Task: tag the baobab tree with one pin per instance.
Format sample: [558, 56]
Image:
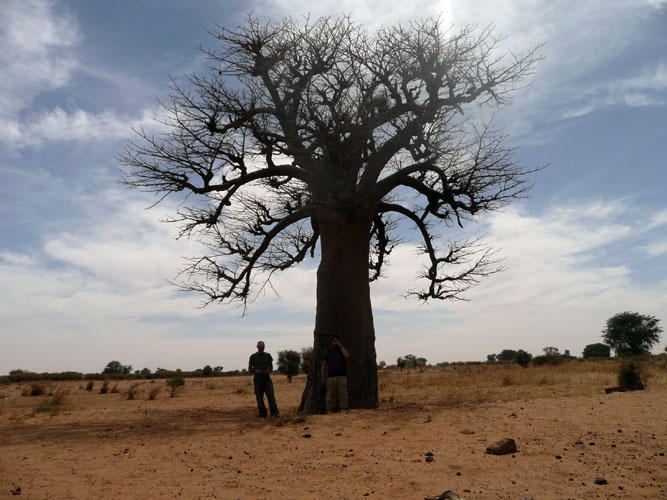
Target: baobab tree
[318, 139]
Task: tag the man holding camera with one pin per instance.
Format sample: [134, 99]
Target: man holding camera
[334, 372]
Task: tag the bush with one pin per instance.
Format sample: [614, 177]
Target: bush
[132, 391]
[175, 383]
[522, 358]
[90, 385]
[36, 389]
[105, 387]
[630, 376]
[596, 351]
[155, 390]
[548, 360]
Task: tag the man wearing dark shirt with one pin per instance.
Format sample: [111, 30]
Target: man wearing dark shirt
[261, 364]
[334, 372]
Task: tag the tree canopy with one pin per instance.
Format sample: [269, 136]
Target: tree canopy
[295, 120]
[631, 333]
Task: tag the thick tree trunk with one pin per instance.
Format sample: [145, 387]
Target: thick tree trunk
[344, 308]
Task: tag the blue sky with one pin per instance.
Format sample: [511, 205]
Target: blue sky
[83, 265]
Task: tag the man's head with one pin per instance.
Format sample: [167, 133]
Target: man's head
[336, 340]
[260, 346]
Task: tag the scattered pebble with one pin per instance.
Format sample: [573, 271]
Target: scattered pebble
[600, 480]
[306, 435]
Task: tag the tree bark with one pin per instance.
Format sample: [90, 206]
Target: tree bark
[344, 308]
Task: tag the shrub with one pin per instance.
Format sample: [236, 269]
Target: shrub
[105, 387]
[548, 360]
[175, 383]
[132, 391]
[90, 385]
[596, 351]
[54, 403]
[114, 389]
[522, 358]
[155, 390]
[36, 389]
[630, 376]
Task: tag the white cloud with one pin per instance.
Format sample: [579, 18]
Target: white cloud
[59, 125]
[35, 53]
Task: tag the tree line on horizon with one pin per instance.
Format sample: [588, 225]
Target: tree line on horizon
[627, 333]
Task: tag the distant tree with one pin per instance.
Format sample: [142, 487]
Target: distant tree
[207, 371]
[506, 355]
[306, 359]
[117, 367]
[598, 350]
[491, 358]
[313, 139]
[146, 372]
[410, 360]
[567, 354]
[382, 365]
[420, 362]
[401, 363]
[217, 370]
[551, 351]
[176, 383]
[522, 358]
[631, 333]
[288, 363]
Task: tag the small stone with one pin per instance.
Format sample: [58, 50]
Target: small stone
[558, 457]
[592, 443]
[458, 473]
[502, 447]
[428, 454]
[600, 480]
[429, 459]
[306, 435]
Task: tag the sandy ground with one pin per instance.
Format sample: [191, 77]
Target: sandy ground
[207, 443]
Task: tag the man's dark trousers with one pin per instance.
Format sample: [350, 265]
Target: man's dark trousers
[264, 385]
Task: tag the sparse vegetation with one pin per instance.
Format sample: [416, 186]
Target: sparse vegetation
[90, 385]
[114, 389]
[132, 391]
[630, 376]
[175, 384]
[105, 387]
[155, 390]
[53, 404]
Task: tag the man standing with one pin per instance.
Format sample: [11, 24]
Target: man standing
[261, 364]
[334, 371]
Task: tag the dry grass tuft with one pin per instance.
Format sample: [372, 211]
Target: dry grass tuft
[54, 403]
[155, 390]
[133, 391]
[114, 389]
[35, 389]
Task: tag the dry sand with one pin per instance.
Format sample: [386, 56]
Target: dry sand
[207, 443]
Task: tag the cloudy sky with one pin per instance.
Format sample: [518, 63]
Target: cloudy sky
[84, 265]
